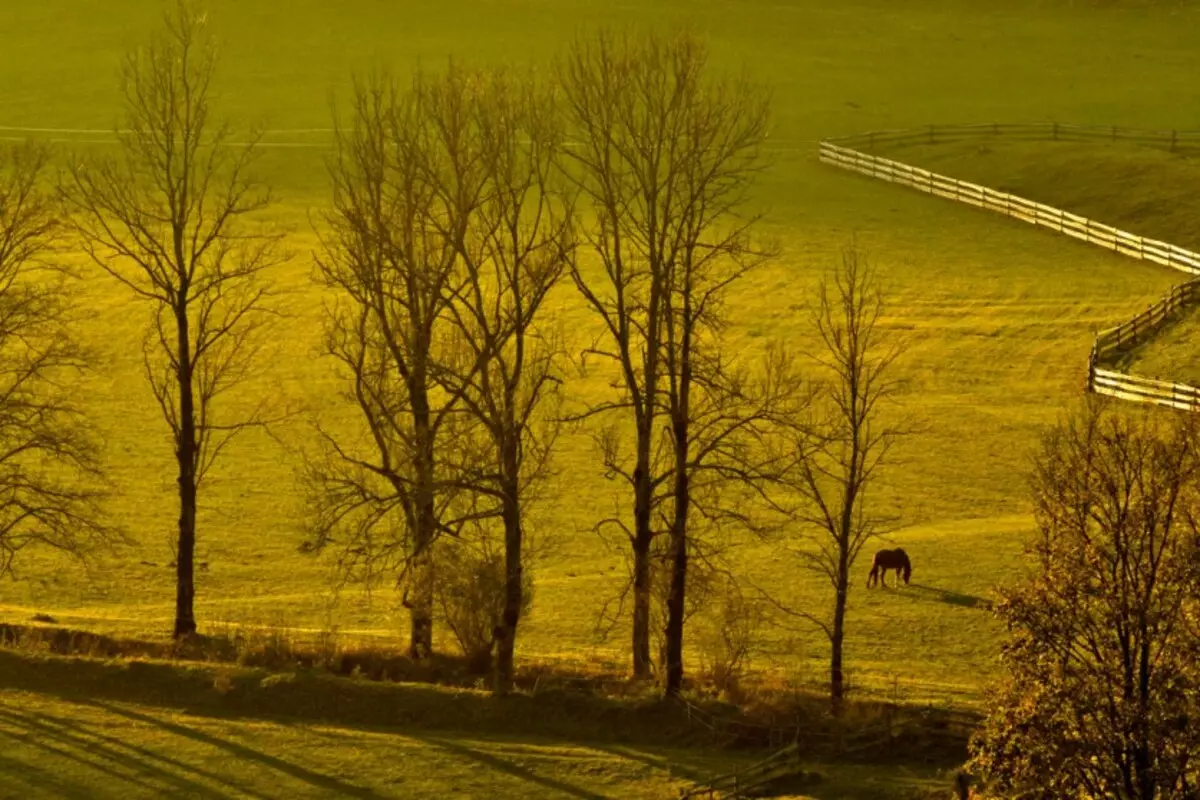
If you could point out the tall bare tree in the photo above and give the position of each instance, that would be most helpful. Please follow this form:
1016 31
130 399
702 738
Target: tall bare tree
171 217
728 434
662 158
843 454
1102 682
391 255
519 243
50 479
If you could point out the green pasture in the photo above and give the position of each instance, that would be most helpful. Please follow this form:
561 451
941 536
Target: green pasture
78 728
999 316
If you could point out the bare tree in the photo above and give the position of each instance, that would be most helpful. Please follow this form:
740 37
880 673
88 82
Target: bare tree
662 158
170 217
50 480
728 433
402 190
842 455
519 242
1100 695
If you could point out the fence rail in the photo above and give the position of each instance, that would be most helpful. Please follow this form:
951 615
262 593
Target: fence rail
1173 139
1144 325
1145 390
837 152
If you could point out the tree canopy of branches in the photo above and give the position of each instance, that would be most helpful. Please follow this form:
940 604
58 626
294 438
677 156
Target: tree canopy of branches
50 480
448 235
393 265
1103 655
518 243
169 216
663 159
844 448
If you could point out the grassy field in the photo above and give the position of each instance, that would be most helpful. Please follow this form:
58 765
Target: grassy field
76 728
999 316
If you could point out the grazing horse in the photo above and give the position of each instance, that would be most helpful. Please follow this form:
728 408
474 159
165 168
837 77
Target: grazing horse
889 559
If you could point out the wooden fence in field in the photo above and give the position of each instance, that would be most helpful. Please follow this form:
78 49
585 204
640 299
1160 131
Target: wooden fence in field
842 152
788 761
793 743
780 764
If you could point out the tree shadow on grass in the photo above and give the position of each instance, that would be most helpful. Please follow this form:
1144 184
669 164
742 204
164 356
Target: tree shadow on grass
242 752
672 764
50 727
414 713
21 779
936 594
121 762
92 759
502 765
312 696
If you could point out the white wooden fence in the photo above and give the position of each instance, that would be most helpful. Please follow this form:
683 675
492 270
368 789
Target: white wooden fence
1108 382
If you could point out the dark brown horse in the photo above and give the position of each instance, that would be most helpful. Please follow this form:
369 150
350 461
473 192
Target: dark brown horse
889 559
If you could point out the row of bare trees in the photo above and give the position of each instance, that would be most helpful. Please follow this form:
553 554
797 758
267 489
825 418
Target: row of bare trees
448 233
464 205
460 203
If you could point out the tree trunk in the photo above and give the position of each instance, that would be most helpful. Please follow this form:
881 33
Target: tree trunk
643 489
679 565
642 538
421 597
185 454
506 633
837 682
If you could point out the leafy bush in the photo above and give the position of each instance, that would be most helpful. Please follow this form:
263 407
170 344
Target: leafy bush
470 596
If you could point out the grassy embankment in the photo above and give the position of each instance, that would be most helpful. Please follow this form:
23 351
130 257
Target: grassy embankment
91 728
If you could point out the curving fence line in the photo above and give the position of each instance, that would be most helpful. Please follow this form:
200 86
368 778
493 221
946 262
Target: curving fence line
842 152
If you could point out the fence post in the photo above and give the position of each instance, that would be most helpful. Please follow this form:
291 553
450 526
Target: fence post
931 134
1173 134
1056 131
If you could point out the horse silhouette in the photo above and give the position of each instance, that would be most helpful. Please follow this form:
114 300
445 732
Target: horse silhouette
889 559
